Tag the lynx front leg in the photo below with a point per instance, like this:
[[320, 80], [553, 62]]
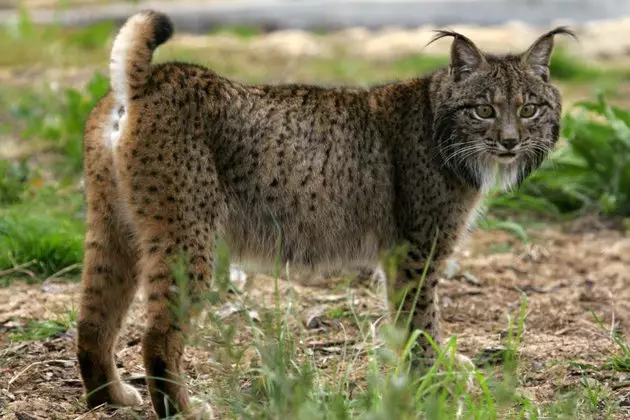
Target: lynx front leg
[[414, 304], [413, 301]]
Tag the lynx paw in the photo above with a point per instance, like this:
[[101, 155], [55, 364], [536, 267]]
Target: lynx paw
[[126, 395]]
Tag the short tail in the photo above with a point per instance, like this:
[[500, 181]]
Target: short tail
[[130, 64]]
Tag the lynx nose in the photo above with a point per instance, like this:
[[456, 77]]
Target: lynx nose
[[509, 143]]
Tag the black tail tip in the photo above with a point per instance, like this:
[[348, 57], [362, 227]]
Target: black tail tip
[[162, 26]]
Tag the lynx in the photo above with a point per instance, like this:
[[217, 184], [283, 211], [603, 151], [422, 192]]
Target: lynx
[[176, 155]]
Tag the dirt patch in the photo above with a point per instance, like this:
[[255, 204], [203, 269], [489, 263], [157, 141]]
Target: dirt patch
[[564, 274]]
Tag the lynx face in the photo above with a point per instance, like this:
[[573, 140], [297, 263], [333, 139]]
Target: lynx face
[[499, 117]]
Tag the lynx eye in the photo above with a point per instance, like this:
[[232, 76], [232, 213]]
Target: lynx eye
[[484, 111], [528, 110]]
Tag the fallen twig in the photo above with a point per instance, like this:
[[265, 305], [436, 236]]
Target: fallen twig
[[84, 415], [624, 384], [19, 269], [63, 271], [324, 344]]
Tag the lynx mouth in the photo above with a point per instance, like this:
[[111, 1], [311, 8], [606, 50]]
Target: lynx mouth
[[505, 157]]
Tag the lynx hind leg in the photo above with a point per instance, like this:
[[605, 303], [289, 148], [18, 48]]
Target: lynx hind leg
[[171, 302], [175, 212], [109, 282], [109, 285]]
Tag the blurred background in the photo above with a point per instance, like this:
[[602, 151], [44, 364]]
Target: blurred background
[[561, 239]]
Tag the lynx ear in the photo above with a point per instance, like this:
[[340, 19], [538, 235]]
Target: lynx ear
[[538, 56], [465, 56]]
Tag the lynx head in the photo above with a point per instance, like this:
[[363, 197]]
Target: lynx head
[[496, 117]]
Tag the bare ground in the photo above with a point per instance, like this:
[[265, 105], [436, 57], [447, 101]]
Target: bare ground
[[567, 272]]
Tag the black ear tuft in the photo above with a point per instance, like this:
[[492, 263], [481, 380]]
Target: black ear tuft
[[465, 56], [538, 55]]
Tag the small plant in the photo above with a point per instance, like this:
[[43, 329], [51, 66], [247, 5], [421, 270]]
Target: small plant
[[514, 228], [41, 330], [619, 362], [13, 181]]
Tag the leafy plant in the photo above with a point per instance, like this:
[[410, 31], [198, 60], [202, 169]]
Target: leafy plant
[[61, 118]]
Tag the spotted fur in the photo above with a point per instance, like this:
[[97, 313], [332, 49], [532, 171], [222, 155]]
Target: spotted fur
[[176, 155]]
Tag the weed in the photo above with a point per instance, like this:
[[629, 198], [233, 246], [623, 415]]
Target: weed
[[618, 362], [514, 228], [41, 330], [338, 312]]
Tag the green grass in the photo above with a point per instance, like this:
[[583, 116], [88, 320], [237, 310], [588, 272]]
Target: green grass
[[620, 361], [45, 232]]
